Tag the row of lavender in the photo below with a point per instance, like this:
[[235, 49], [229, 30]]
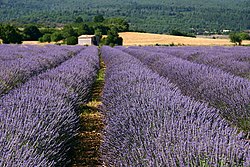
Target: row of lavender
[[235, 60], [222, 90], [39, 119], [150, 123], [19, 62]]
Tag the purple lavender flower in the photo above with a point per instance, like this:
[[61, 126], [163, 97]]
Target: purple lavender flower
[[39, 119], [150, 123]]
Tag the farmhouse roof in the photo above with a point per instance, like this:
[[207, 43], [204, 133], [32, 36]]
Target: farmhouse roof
[[86, 36]]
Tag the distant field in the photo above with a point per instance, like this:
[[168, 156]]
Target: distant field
[[134, 38], [36, 43]]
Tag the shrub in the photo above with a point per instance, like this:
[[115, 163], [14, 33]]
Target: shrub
[[56, 36], [71, 40]]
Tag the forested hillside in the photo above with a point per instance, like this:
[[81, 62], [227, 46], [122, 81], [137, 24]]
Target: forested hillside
[[159, 16]]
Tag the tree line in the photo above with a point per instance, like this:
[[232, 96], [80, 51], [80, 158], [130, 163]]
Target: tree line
[[99, 26], [69, 33], [190, 16]]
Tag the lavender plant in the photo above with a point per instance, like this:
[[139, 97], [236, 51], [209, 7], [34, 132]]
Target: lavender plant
[[235, 60], [150, 123], [39, 119], [19, 63], [226, 92]]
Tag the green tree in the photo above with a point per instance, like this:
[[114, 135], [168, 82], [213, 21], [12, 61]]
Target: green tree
[[56, 36], [48, 30], [235, 38], [98, 34], [102, 27], [84, 29], [10, 34], [31, 33], [121, 24], [113, 38], [45, 38], [119, 41], [244, 36], [78, 20], [71, 40], [68, 31], [98, 19], [40, 39]]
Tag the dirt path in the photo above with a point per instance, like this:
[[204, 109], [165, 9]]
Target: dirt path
[[91, 125]]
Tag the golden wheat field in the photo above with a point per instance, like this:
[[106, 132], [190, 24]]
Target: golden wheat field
[[36, 43], [135, 38]]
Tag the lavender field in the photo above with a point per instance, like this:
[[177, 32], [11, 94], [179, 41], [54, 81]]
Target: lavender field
[[162, 106], [39, 118], [163, 110], [19, 63]]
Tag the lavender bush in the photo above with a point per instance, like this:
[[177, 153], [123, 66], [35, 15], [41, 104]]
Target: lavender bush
[[39, 119], [226, 92], [150, 123], [18, 63], [235, 60]]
